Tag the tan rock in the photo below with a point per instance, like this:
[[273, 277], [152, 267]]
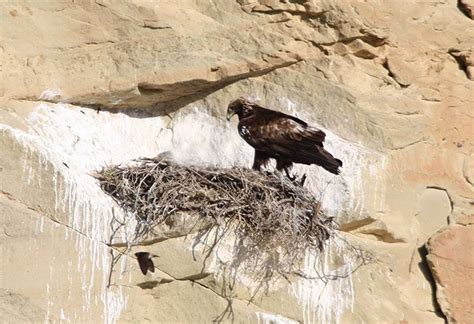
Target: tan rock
[[467, 7], [451, 260], [388, 83], [465, 60], [466, 220], [435, 210], [100, 48]]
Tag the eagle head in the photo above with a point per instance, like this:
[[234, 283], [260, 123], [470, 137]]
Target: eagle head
[[240, 107]]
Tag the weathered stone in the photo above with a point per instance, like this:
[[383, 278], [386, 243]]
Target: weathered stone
[[451, 259], [396, 107], [466, 220], [465, 60], [467, 7]]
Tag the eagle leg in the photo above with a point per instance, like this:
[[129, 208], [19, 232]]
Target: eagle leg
[[260, 159], [300, 182], [285, 165]]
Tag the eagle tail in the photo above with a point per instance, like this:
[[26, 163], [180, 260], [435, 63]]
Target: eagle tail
[[328, 162], [333, 165]]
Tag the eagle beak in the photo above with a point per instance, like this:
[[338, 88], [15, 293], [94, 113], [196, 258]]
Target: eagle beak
[[230, 114]]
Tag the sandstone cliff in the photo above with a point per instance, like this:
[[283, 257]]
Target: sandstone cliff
[[91, 83]]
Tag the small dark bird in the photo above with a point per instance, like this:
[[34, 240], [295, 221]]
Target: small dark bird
[[145, 261], [282, 137]]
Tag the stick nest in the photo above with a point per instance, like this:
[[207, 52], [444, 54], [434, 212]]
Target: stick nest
[[273, 220]]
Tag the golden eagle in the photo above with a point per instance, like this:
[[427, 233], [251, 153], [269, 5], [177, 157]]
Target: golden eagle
[[285, 138]]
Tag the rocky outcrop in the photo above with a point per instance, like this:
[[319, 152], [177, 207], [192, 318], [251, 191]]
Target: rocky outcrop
[[465, 61], [451, 260], [92, 83], [467, 7]]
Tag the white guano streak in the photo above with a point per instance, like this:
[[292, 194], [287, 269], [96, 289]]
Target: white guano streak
[[76, 143], [321, 303], [86, 141], [268, 318], [345, 193], [326, 301]]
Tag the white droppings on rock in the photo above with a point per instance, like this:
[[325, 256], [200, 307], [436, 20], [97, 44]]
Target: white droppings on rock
[[115, 301], [50, 95], [268, 318], [62, 316], [343, 195], [326, 300], [77, 142], [201, 139], [253, 97], [39, 225]]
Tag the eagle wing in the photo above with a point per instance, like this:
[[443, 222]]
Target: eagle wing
[[281, 135], [145, 262]]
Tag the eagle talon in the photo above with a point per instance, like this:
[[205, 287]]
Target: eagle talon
[[295, 179], [298, 181], [302, 180], [292, 178]]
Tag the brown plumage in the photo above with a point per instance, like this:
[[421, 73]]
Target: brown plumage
[[145, 262], [285, 138]]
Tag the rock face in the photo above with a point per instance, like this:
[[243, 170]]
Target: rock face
[[90, 83], [451, 259], [467, 7]]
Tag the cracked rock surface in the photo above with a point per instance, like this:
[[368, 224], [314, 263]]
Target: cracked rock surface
[[91, 83], [451, 260]]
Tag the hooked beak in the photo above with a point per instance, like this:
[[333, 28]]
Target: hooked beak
[[230, 113]]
